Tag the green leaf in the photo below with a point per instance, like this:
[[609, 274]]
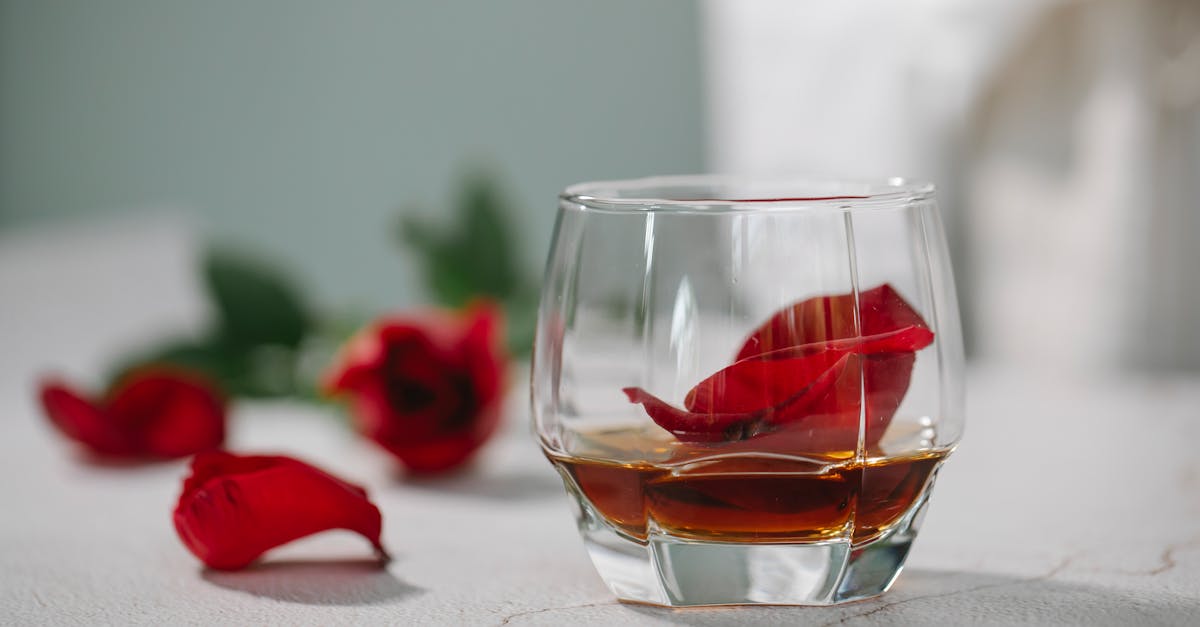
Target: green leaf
[[189, 354], [477, 257], [251, 347], [255, 303], [474, 258], [261, 372], [521, 316]]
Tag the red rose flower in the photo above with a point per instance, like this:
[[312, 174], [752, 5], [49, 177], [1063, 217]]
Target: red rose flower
[[806, 371], [234, 508], [152, 413], [427, 387]]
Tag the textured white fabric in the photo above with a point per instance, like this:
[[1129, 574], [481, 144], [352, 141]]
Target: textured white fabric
[[1071, 501]]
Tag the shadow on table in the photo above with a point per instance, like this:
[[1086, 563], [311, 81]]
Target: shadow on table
[[317, 582], [522, 485], [945, 597]]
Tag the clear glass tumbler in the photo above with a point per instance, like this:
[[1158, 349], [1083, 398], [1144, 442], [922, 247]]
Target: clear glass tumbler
[[748, 386]]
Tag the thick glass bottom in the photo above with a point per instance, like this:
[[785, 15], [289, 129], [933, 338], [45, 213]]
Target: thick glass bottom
[[671, 571]]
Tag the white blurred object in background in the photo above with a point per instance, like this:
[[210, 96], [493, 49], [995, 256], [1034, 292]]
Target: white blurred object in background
[[1064, 136]]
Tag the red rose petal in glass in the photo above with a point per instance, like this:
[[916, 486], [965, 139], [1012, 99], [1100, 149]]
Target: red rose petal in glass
[[822, 420], [479, 348], [807, 368], [732, 425], [234, 508], [755, 384], [906, 340], [822, 395], [824, 318], [831, 422], [691, 426], [828, 423], [885, 382]]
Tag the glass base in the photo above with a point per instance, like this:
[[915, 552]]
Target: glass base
[[675, 572]]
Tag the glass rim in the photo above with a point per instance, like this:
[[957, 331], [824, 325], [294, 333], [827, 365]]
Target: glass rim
[[698, 191]]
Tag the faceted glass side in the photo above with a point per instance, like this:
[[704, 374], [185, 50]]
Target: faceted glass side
[[748, 396]]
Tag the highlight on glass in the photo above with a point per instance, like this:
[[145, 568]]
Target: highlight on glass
[[748, 386]]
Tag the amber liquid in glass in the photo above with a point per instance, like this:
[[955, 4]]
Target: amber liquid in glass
[[750, 498]]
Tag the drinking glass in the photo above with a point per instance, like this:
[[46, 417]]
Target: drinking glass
[[748, 386]]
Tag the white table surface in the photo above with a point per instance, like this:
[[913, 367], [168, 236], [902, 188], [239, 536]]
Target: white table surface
[[1072, 500]]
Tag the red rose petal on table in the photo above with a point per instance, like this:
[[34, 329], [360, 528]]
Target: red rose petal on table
[[152, 413], [84, 421], [234, 508], [426, 386], [175, 415]]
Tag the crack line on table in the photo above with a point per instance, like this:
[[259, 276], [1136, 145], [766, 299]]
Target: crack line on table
[[1167, 559], [510, 617], [1058, 568]]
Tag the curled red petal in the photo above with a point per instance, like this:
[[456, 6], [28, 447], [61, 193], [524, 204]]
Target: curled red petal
[[883, 309], [693, 426], [905, 340], [823, 395], [85, 421], [824, 318], [711, 420], [234, 508], [885, 382], [822, 420], [808, 369], [752, 385], [909, 339]]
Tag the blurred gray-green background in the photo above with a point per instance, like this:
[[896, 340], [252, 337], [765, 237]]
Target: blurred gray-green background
[[1064, 136], [302, 129]]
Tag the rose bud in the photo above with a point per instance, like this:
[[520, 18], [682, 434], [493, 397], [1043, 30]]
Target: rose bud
[[234, 508], [427, 386], [152, 413]]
